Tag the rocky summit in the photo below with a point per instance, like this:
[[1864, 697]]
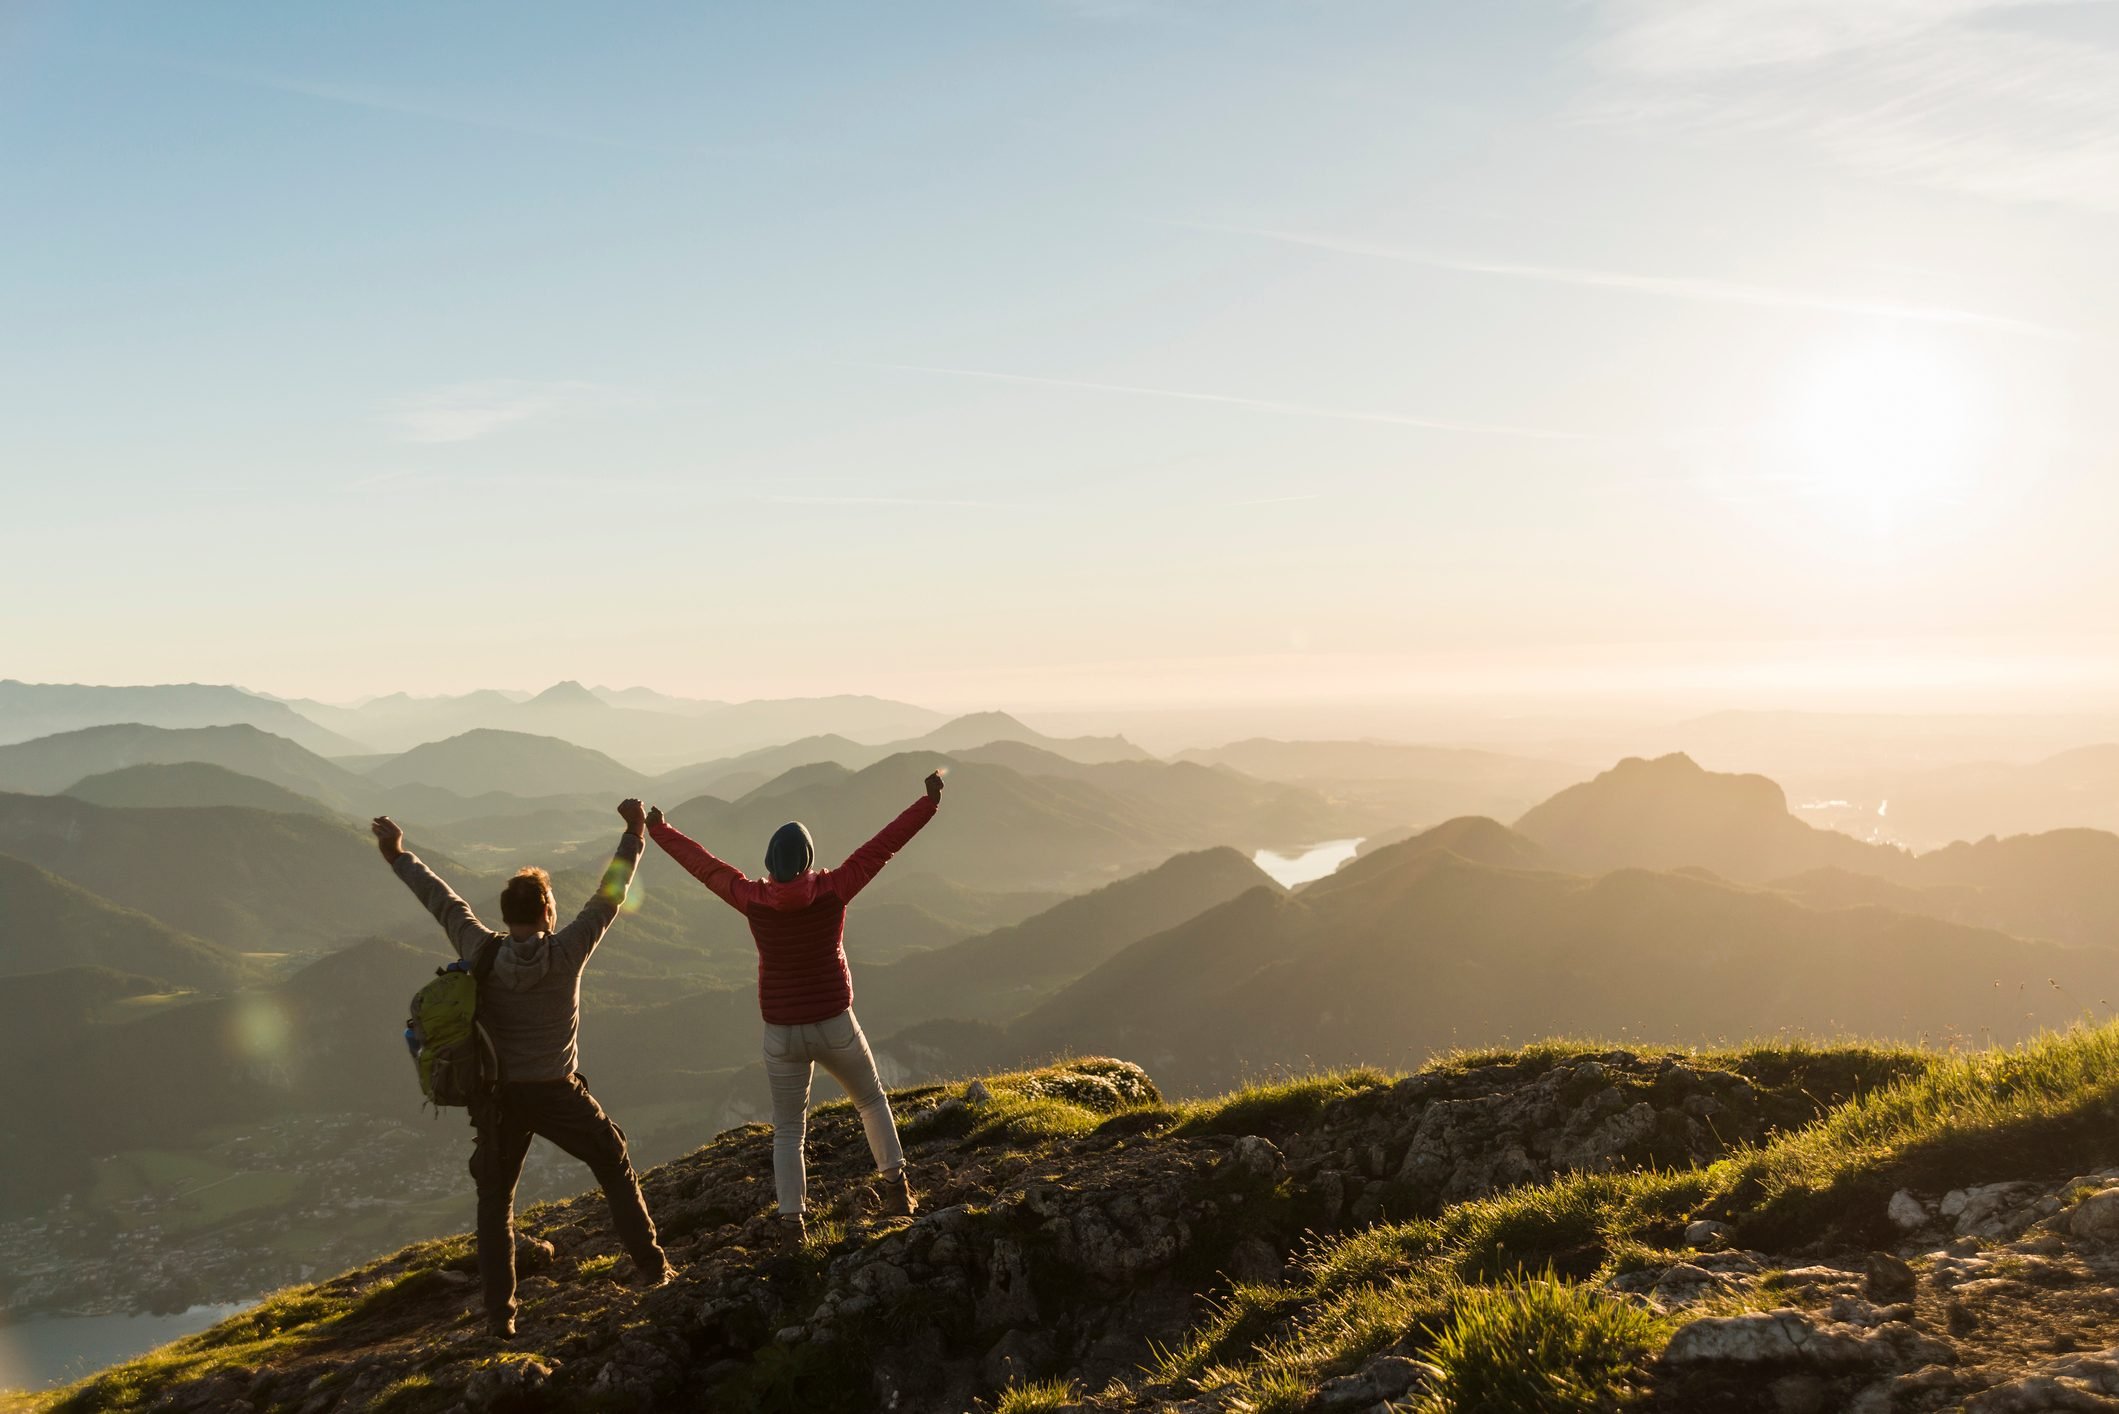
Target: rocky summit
[[1780, 1229]]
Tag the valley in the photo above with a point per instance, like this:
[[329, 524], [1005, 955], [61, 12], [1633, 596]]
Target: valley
[[195, 916]]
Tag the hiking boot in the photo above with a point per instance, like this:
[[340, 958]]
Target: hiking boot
[[501, 1327], [659, 1272], [788, 1241], [897, 1193]]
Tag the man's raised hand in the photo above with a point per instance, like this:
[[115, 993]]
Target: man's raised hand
[[934, 785], [388, 837], [633, 813], [654, 815]]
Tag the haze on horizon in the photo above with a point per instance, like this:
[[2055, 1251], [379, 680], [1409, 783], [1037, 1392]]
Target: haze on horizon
[[1068, 354]]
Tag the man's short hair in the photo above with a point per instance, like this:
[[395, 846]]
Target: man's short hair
[[526, 902]]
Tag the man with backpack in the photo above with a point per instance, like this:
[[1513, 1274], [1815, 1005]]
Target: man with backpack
[[529, 1003]]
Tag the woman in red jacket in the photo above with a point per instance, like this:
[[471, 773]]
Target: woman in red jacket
[[798, 920]]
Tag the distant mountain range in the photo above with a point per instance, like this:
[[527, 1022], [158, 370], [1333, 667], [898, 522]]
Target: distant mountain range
[[248, 880], [659, 1050], [1003, 829], [981, 732], [51, 764], [1657, 897], [483, 761], [1393, 784], [51, 923], [1669, 813], [646, 730], [190, 784], [1419, 948], [1967, 801], [31, 710]]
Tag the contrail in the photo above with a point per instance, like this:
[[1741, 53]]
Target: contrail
[[1667, 286], [1434, 424]]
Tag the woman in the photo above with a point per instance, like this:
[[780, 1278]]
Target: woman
[[798, 920]]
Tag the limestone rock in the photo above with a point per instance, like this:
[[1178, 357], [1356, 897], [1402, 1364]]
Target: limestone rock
[[2071, 1383], [2096, 1218], [1907, 1213], [1386, 1378], [1793, 1338], [1257, 1157], [1890, 1279]]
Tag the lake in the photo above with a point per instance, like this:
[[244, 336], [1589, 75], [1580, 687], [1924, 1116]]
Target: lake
[[50, 1350], [1312, 863]]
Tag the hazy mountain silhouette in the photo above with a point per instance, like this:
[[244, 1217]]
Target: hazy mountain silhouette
[[51, 764], [190, 783], [732, 777], [1416, 949], [1396, 783], [1002, 973], [2062, 885], [991, 977], [1831, 746], [566, 695], [485, 761], [1669, 813], [982, 728], [1174, 795], [31, 710], [50, 923], [1006, 830], [249, 880], [2078, 788], [980, 736], [647, 731]]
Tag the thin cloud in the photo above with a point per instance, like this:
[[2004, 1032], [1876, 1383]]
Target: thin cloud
[[466, 412], [1276, 500], [2001, 98], [406, 105], [1285, 409], [1685, 287]]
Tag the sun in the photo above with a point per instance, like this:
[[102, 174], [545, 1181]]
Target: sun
[[1884, 430]]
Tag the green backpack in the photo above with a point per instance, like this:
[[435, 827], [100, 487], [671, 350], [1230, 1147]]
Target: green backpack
[[457, 1062]]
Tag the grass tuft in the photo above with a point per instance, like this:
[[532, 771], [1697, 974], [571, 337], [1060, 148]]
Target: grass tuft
[[1040, 1397], [1270, 1107], [1540, 1347]]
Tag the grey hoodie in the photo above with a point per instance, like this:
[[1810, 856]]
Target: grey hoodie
[[531, 1003]]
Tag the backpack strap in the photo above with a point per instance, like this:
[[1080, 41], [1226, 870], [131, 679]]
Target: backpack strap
[[482, 965]]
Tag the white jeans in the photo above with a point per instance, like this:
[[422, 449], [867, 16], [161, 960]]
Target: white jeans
[[791, 1055]]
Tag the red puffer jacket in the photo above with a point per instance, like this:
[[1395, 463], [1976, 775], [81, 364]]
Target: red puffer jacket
[[799, 926]]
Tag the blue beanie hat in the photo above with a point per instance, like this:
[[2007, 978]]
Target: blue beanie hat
[[791, 852]]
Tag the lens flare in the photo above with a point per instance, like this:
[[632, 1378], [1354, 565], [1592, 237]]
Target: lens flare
[[264, 1033]]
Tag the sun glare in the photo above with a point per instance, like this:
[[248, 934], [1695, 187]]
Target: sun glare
[[1886, 430]]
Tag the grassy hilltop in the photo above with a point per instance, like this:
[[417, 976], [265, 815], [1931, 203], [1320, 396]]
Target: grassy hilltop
[[1563, 1227]]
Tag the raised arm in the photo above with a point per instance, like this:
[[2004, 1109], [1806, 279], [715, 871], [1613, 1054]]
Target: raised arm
[[725, 879], [868, 861], [573, 943], [466, 933]]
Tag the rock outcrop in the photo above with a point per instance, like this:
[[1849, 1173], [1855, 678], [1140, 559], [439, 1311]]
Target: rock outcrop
[[2004, 1299], [1073, 1225]]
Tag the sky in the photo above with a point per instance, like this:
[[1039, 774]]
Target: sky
[[1056, 353]]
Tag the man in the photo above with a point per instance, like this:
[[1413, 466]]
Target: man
[[530, 1003]]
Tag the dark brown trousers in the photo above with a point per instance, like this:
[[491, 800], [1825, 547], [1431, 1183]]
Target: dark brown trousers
[[564, 1112]]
